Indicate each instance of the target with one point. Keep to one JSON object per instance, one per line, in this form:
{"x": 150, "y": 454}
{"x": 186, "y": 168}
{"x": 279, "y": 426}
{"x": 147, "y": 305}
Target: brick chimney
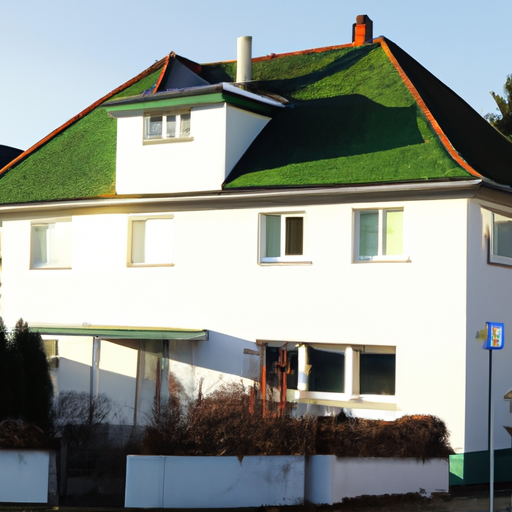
{"x": 362, "y": 30}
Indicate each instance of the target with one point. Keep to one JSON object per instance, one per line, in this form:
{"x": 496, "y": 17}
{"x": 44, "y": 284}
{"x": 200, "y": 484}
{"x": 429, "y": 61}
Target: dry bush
{"x": 420, "y": 437}
{"x": 222, "y": 424}
{"x": 16, "y": 434}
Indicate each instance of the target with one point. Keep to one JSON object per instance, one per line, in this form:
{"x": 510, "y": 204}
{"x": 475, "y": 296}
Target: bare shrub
{"x": 227, "y": 423}
{"x": 16, "y": 434}
{"x": 94, "y": 447}
{"x": 222, "y": 424}
{"x": 421, "y": 436}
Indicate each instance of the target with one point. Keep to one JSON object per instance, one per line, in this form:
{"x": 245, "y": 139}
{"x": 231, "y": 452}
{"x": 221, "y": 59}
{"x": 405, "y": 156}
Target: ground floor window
{"x": 351, "y": 369}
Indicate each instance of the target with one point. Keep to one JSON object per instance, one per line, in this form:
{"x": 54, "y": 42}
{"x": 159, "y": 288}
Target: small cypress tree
{"x": 25, "y": 380}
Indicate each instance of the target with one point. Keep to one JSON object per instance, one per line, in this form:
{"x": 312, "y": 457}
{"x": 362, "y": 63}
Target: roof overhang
{"x": 122, "y": 332}
{"x": 202, "y": 95}
{"x": 250, "y": 198}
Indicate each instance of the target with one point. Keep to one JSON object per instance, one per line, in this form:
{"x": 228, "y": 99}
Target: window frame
{"x": 144, "y": 218}
{"x": 50, "y": 265}
{"x": 380, "y": 256}
{"x": 351, "y": 371}
{"x": 497, "y": 258}
{"x": 283, "y": 259}
{"x": 163, "y": 137}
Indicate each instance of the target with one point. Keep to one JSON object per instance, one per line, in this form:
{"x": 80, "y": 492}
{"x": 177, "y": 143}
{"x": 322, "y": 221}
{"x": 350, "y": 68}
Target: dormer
{"x": 186, "y": 135}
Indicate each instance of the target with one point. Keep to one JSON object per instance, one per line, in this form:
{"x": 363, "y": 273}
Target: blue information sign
{"x": 495, "y": 336}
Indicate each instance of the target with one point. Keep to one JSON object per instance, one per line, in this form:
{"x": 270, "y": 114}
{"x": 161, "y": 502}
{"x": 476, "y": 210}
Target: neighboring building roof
{"x": 363, "y": 114}
{"x": 7, "y": 154}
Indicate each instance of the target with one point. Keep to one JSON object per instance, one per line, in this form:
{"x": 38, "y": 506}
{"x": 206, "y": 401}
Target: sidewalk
{"x": 463, "y": 500}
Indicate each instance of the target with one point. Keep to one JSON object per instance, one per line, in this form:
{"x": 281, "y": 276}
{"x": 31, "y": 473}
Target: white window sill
{"x": 166, "y": 141}
{"x": 387, "y": 402}
{"x": 50, "y": 268}
{"x": 145, "y": 265}
{"x": 286, "y": 260}
{"x": 383, "y": 259}
{"x": 500, "y": 260}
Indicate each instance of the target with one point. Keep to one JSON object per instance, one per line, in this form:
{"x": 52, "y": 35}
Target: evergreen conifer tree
{"x": 25, "y": 383}
{"x": 503, "y": 120}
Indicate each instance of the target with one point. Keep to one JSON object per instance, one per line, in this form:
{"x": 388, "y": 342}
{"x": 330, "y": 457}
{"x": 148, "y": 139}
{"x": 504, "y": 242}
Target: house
{"x": 335, "y": 223}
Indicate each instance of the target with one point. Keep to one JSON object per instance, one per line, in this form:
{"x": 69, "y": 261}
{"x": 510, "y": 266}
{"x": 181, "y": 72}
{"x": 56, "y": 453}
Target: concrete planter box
{"x": 214, "y": 482}
{"x": 28, "y": 476}
{"x": 330, "y": 479}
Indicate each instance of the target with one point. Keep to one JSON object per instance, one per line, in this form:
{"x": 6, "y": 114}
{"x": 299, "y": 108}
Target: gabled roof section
{"x": 477, "y": 142}
{"x": 353, "y": 114}
{"x": 77, "y": 160}
{"x": 354, "y": 118}
{"x": 8, "y": 154}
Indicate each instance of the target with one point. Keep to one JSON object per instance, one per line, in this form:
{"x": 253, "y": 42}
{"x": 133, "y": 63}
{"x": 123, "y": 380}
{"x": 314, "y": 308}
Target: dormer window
{"x": 167, "y": 127}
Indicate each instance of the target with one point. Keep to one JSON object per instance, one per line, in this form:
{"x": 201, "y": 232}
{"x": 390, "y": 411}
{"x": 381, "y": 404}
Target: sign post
{"x": 495, "y": 340}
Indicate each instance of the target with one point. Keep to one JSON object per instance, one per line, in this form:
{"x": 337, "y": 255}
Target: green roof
{"x": 355, "y": 115}
{"x": 352, "y": 120}
{"x": 78, "y": 162}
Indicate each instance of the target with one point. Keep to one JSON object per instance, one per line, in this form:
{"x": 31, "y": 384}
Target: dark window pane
{"x": 327, "y": 371}
{"x": 294, "y": 232}
{"x": 271, "y": 361}
{"x": 377, "y": 374}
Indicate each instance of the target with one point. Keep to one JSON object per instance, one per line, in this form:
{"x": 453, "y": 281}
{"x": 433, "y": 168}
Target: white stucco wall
{"x": 489, "y": 299}
{"x": 196, "y": 165}
{"x": 216, "y": 283}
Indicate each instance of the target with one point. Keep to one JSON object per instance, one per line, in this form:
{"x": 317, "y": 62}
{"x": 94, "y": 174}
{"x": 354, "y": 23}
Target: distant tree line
{"x": 26, "y": 390}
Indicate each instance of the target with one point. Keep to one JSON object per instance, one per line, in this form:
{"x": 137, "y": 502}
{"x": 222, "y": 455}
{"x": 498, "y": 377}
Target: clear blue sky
{"x": 59, "y": 56}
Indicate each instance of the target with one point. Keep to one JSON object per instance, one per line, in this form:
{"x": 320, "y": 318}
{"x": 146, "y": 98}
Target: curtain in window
{"x": 272, "y": 236}
{"x": 368, "y": 234}
{"x": 393, "y": 232}
{"x": 185, "y": 125}
{"x": 171, "y": 127}
{"x": 39, "y": 246}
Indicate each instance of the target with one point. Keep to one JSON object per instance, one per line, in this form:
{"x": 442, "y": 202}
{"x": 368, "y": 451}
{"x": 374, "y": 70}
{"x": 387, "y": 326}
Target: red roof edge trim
{"x": 164, "y": 69}
{"x": 55, "y": 132}
{"x": 419, "y": 100}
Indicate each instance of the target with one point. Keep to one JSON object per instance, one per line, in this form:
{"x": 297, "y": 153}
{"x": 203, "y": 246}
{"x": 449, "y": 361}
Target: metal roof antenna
{"x": 244, "y": 59}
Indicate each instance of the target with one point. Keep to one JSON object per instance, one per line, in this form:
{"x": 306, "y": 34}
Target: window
{"x": 379, "y": 235}
{"x": 327, "y": 370}
{"x": 51, "y": 348}
{"x": 501, "y": 239}
{"x": 151, "y": 241}
{"x": 51, "y": 245}
{"x": 377, "y": 374}
{"x": 167, "y": 127}
{"x": 355, "y": 370}
{"x": 281, "y": 238}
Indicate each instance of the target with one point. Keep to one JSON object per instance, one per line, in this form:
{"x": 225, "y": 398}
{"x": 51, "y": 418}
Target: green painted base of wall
{"x": 473, "y": 467}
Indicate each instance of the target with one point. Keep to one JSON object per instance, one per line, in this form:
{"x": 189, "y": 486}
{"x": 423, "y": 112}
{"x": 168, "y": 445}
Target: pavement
{"x": 466, "y": 499}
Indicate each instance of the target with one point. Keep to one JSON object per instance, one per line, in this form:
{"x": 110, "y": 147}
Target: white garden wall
{"x": 25, "y": 476}
{"x": 213, "y": 482}
{"x": 226, "y": 482}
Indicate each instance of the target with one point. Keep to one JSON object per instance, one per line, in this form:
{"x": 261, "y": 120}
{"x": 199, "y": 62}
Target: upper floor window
{"x": 282, "y": 237}
{"x": 169, "y": 127}
{"x": 501, "y": 239}
{"x": 151, "y": 241}
{"x": 379, "y": 235}
{"x": 51, "y": 244}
